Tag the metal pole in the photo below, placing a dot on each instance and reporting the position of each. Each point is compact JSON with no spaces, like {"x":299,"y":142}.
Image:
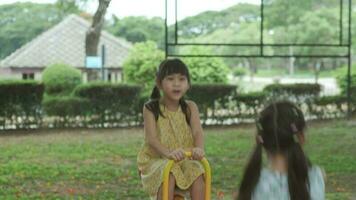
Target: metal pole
{"x":103,"y":62}
{"x":340,"y":22}
{"x":349,"y":64}
{"x":166,"y":30}
{"x":176,"y":23}
{"x":261,"y":27}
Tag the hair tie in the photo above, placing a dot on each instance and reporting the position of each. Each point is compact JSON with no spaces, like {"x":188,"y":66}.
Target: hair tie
{"x":294,"y":128}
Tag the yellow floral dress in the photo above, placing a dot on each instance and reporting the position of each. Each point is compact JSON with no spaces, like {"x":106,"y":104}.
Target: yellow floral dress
{"x":173,"y":132}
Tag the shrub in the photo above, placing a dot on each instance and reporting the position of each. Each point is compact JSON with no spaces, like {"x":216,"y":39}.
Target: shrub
{"x":60,"y":79}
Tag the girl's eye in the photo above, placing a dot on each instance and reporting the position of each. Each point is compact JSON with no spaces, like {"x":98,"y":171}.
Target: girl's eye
{"x":182,"y":79}
{"x":170,"y":78}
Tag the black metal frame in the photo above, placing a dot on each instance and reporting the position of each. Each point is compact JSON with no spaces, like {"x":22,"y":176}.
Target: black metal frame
{"x":262,"y":45}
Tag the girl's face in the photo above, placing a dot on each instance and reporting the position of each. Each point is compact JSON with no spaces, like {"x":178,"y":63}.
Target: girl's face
{"x":174,"y":86}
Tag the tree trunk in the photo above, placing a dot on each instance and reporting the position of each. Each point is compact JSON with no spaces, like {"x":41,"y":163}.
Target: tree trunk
{"x":93,"y":34}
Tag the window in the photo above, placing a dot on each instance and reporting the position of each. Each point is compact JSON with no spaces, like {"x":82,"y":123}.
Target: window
{"x":28,"y":76}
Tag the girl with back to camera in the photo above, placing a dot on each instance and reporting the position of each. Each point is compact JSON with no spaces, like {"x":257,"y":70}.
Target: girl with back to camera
{"x":288,"y":173}
{"x":172,"y":126}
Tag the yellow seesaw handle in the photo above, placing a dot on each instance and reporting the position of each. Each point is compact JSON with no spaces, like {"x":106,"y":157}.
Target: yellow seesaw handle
{"x":207,"y":177}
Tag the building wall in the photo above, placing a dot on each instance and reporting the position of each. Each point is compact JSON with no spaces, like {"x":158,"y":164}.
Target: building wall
{"x":115,"y":74}
{"x":17,"y":73}
{"x":5,"y":73}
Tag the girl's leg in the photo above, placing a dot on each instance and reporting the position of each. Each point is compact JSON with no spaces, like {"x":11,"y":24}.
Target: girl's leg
{"x":171,"y":187}
{"x":197,"y":189}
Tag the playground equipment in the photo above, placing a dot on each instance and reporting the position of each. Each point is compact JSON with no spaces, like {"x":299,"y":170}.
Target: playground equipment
{"x":207,"y":177}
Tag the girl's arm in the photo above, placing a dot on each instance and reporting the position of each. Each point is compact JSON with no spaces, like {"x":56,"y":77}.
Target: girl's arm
{"x":152,"y":139}
{"x":196,"y":125}
{"x":151,"y":133}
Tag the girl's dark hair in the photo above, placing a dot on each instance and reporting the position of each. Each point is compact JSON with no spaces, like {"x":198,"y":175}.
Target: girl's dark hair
{"x":278,"y":125}
{"x":166,"y":68}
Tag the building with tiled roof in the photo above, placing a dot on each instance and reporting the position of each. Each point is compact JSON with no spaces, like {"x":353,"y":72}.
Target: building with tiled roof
{"x":65,"y":43}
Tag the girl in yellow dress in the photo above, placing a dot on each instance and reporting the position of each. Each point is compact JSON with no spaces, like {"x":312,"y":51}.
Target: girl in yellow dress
{"x":172,"y":126}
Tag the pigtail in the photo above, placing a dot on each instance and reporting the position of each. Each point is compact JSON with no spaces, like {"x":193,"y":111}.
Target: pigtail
{"x":185,"y":108}
{"x":155,"y":94}
{"x":153,"y":104}
{"x":251,"y":174}
{"x":298,"y":179}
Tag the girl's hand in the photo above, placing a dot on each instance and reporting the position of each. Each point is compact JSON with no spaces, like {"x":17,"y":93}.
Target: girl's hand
{"x":198,"y":153}
{"x":176,"y":155}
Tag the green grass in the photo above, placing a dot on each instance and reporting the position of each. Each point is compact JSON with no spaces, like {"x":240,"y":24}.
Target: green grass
{"x":101,"y":164}
{"x":298,"y":73}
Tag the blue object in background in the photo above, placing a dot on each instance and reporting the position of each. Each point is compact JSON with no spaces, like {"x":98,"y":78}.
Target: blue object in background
{"x":93,"y":62}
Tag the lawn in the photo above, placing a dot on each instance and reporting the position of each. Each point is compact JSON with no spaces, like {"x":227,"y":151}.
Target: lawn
{"x":101,"y":164}
{"x":299,"y":73}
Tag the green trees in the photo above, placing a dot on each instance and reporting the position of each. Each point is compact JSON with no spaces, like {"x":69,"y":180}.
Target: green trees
{"x":139,"y":29}
{"x":142,"y":63}
{"x":303,"y":21}
{"x":206,"y":70}
{"x":342,"y":78}
{"x":210,"y":21}
{"x":21,"y":22}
